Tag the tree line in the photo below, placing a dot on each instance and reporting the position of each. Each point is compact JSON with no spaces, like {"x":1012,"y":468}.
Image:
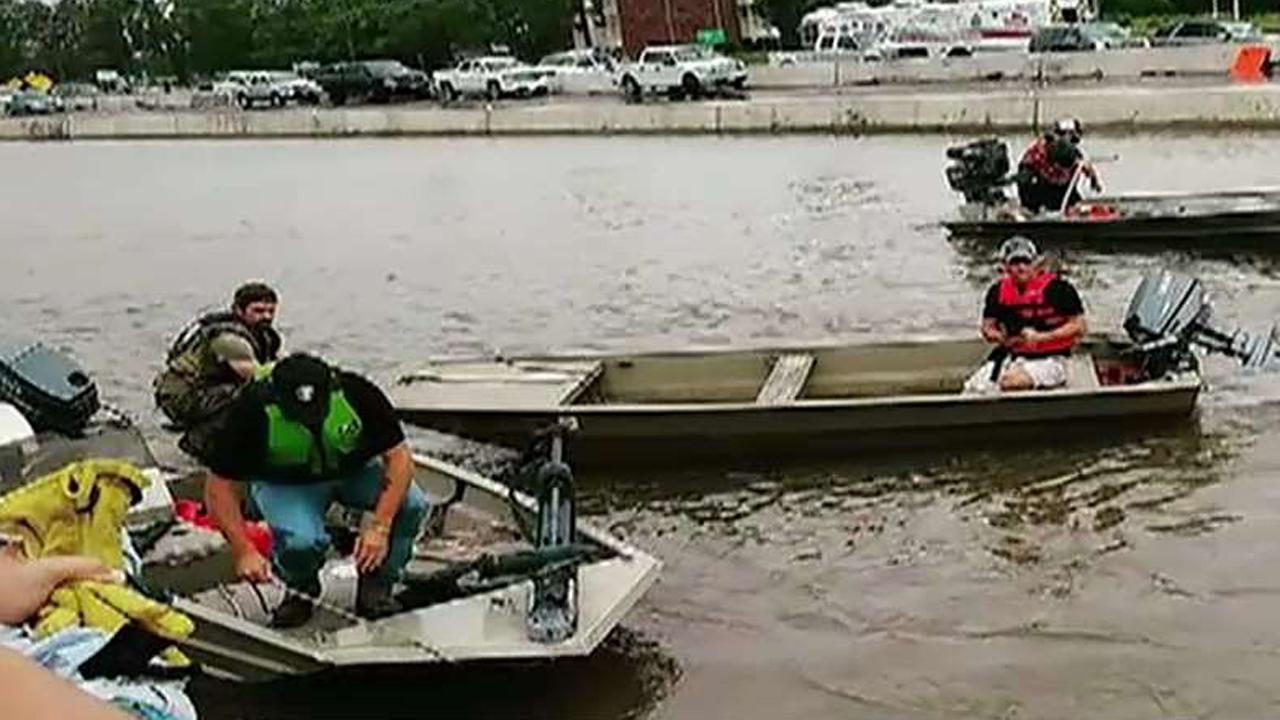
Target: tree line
{"x":69,"y":39}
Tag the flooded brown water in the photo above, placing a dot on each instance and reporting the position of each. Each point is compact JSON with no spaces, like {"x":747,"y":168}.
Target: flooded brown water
{"x":1126,"y":575}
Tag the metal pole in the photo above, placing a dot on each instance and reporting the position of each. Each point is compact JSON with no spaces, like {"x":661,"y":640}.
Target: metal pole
{"x":1215,"y":8}
{"x":1235,"y":10}
{"x":585,"y":19}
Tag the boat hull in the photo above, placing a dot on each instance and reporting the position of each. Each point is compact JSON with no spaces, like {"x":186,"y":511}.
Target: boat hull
{"x":232,"y":642}
{"x":1252,"y":213}
{"x":1254,"y":226}
{"x":676,"y":435}
{"x":876,"y":413}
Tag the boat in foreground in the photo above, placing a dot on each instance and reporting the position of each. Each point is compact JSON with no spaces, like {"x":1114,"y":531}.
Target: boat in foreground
{"x":980,"y":173}
{"x":485,"y":582}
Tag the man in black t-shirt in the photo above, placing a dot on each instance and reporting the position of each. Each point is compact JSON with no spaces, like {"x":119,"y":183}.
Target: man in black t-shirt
{"x":1034,"y":317}
{"x":301,"y":436}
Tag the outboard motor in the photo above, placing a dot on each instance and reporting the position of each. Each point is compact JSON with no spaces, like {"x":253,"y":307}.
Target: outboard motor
{"x":1170,"y":313}
{"x":553,"y":610}
{"x":979,"y":170}
{"x":46,"y":386}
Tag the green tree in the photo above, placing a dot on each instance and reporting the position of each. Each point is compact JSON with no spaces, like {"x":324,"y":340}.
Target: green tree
{"x":786,"y":14}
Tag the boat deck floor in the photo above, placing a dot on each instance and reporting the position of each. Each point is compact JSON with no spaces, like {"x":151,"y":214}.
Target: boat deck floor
{"x":464,"y":538}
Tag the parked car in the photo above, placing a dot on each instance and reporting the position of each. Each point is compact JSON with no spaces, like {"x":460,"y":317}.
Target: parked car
{"x":30,"y":102}
{"x":1083,"y":37}
{"x":493,"y":77}
{"x":1204,"y":32}
{"x":251,"y":87}
{"x":77,"y":96}
{"x":1243,"y":32}
{"x":110,"y":81}
{"x":579,"y":71}
{"x":374,"y":80}
{"x":680,"y":71}
{"x":296,"y":88}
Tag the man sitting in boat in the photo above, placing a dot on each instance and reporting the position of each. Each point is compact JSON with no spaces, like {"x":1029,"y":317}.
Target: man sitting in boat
{"x":212,"y":358}
{"x":1050,"y":168}
{"x":304,"y":435}
{"x":1035,"y":319}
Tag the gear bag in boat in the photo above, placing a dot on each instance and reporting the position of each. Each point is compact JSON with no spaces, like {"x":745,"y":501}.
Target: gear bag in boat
{"x":46,"y":386}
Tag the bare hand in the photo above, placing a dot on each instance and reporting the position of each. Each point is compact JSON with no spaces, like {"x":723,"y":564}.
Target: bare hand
{"x":253,"y":567}
{"x":69,"y":568}
{"x":371,"y":548}
{"x":1031,"y":335}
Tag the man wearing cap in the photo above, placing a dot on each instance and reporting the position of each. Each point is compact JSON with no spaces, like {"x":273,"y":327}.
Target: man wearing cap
{"x":1050,"y":164}
{"x":301,"y":436}
{"x":1034,"y":318}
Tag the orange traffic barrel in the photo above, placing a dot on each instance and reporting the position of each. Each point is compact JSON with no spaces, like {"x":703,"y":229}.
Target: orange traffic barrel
{"x":1253,"y":64}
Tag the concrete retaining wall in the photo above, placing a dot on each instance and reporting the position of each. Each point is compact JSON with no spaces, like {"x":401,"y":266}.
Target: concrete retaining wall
{"x":1120,"y":107}
{"x":1208,"y":60}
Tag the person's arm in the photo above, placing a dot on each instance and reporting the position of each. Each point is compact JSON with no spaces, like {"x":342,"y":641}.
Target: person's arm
{"x":25,"y":585}
{"x":222,"y":496}
{"x":992,"y":332}
{"x":32,"y":693}
{"x":236,"y":352}
{"x":990,"y":328}
{"x":385,"y":437}
{"x":1073,"y":328}
{"x":374,"y":540}
{"x":235,"y":454}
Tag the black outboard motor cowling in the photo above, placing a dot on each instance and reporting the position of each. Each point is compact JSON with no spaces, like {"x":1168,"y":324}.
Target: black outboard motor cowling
{"x":979,"y":170}
{"x":48,"y":387}
{"x":1169,"y":313}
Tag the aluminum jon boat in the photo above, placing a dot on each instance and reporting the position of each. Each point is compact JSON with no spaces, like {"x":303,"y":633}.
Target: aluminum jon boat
{"x":674,"y":407}
{"x":483,"y":585}
{"x":979,"y":171}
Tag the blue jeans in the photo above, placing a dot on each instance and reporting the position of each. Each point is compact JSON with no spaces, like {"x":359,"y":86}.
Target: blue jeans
{"x":296,"y":513}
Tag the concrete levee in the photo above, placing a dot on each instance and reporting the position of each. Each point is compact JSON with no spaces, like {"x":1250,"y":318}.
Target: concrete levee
{"x":1142,"y":108}
{"x":961,"y":111}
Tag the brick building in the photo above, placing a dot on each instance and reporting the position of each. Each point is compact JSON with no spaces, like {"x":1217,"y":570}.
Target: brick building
{"x":645,"y":22}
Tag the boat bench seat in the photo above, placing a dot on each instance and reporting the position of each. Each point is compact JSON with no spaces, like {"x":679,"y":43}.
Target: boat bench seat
{"x":506,"y":385}
{"x":786,"y":379}
{"x":1082,"y":374}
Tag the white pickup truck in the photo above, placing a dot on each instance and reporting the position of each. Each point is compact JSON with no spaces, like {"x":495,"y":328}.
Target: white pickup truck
{"x":492,"y":77}
{"x":680,"y":71}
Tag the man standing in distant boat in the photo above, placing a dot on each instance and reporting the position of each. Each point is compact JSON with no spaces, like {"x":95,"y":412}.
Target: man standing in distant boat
{"x":1049,"y":170}
{"x":1034,"y":318}
{"x":212,"y":358}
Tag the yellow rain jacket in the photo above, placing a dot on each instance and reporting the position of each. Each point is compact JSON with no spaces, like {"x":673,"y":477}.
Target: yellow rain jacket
{"x":80,"y":510}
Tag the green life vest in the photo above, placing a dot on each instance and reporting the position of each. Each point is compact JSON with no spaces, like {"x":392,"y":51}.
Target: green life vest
{"x":292,"y":447}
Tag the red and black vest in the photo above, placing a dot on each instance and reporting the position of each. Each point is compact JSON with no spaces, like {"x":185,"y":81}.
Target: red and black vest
{"x":1029,"y":305}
